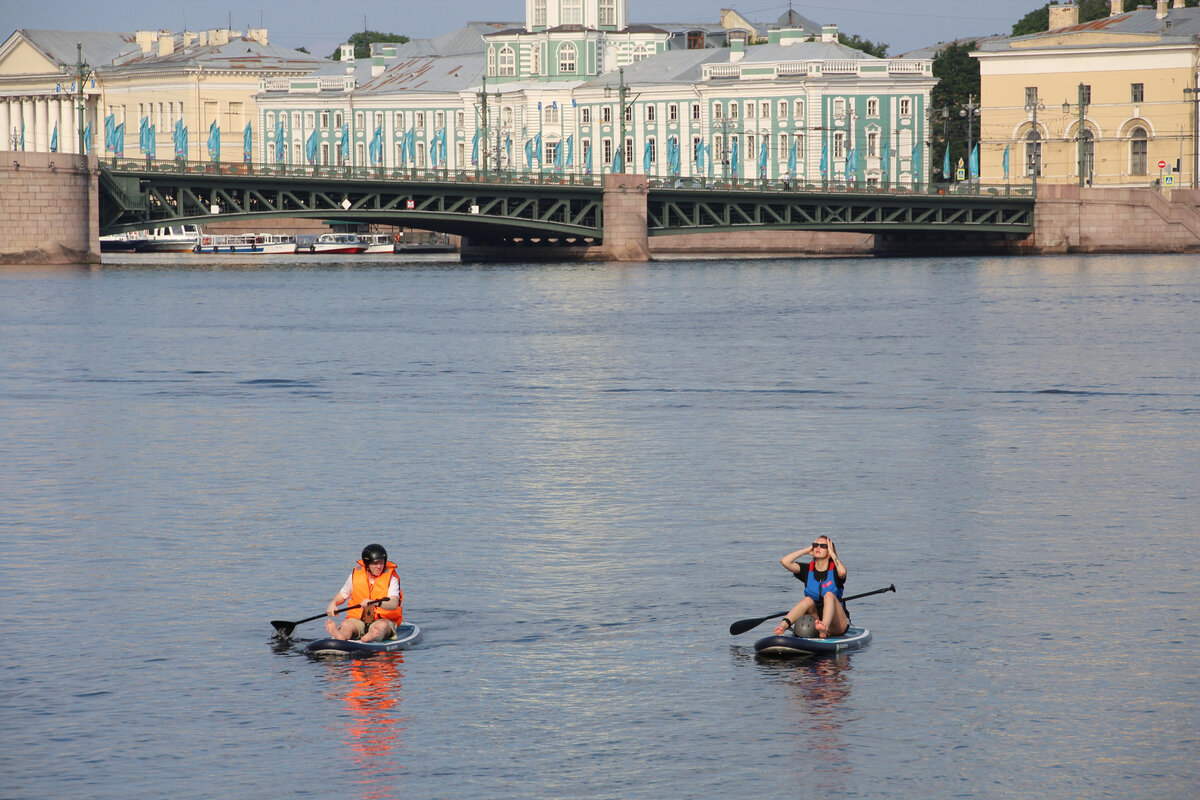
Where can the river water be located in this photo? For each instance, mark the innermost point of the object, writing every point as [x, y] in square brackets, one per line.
[585, 474]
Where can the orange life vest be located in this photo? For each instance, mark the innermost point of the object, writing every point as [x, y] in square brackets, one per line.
[364, 586]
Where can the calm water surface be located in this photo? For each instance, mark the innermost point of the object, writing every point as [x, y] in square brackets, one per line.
[586, 473]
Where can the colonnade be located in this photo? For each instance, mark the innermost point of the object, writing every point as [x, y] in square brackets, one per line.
[37, 116]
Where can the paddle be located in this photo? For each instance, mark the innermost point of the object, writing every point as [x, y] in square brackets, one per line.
[743, 625]
[283, 629]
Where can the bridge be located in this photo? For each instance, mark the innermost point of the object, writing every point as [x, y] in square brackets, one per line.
[523, 209]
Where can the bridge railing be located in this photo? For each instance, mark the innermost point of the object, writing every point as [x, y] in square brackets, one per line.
[554, 178]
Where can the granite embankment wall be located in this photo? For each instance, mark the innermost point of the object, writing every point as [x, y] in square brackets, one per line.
[48, 209]
[1070, 219]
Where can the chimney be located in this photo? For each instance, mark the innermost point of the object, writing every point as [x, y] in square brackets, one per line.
[145, 40]
[166, 44]
[188, 38]
[377, 66]
[347, 53]
[1160, 11]
[1115, 7]
[829, 33]
[1064, 15]
[1177, 4]
[737, 51]
[219, 37]
[257, 35]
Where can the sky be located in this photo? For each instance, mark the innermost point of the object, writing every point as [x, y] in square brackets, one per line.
[320, 25]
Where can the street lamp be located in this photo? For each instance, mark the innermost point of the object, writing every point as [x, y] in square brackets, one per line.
[971, 111]
[1195, 98]
[1033, 105]
[1084, 101]
[82, 73]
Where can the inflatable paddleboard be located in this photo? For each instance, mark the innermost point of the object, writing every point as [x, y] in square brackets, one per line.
[407, 634]
[852, 639]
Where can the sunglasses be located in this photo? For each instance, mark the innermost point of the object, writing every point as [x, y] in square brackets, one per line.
[820, 544]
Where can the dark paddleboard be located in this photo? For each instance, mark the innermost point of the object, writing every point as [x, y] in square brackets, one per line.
[407, 634]
[852, 639]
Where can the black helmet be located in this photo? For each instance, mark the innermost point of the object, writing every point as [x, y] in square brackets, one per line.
[374, 552]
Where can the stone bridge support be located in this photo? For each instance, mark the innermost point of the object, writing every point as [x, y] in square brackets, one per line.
[49, 209]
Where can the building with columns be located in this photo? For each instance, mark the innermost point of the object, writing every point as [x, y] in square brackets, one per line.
[1098, 103]
[194, 78]
[578, 90]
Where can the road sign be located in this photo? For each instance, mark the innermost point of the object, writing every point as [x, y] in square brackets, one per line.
[1168, 180]
[1162, 165]
[961, 174]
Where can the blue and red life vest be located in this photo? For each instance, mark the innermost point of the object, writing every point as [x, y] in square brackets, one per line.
[819, 583]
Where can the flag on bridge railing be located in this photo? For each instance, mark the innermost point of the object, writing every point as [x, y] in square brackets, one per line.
[824, 159]
[698, 154]
[310, 148]
[673, 157]
[345, 141]
[214, 141]
[558, 157]
[152, 141]
[119, 140]
[886, 158]
[735, 157]
[916, 162]
[247, 143]
[618, 162]
[792, 158]
[571, 151]
[110, 127]
[475, 150]
[1005, 162]
[375, 148]
[586, 160]
[508, 147]
[974, 164]
[647, 158]
[762, 159]
[87, 138]
[54, 139]
[946, 163]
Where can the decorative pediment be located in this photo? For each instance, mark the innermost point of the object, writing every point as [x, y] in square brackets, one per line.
[18, 57]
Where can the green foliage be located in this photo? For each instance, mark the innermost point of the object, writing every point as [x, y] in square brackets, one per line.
[362, 43]
[877, 49]
[302, 50]
[958, 84]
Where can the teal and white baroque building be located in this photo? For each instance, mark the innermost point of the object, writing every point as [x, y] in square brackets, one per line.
[579, 91]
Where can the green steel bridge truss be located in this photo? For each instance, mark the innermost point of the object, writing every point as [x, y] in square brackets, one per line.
[518, 207]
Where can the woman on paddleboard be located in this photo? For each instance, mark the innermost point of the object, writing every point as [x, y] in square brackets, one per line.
[824, 578]
[374, 588]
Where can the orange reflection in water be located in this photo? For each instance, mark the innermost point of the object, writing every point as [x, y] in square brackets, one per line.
[374, 727]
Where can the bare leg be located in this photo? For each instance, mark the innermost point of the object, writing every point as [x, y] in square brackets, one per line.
[833, 620]
[805, 606]
[331, 627]
[379, 628]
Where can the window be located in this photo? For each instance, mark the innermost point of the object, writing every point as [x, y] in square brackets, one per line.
[1137, 92]
[733, 110]
[764, 109]
[439, 119]
[378, 119]
[783, 108]
[673, 112]
[506, 116]
[585, 115]
[750, 109]
[535, 60]
[718, 111]
[751, 152]
[695, 111]
[608, 13]
[628, 159]
[1033, 154]
[798, 109]
[650, 112]
[491, 61]
[419, 119]
[460, 119]
[872, 144]
[309, 119]
[606, 114]
[1031, 97]
[337, 120]
[508, 61]
[550, 114]
[358, 120]
[606, 150]
[324, 119]
[1138, 162]
[420, 154]
[1086, 95]
[695, 40]
[652, 146]
[640, 53]
[629, 113]
[551, 152]
[539, 13]
[906, 106]
[872, 107]
[572, 12]
[839, 107]
[839, 145]
[566, 57]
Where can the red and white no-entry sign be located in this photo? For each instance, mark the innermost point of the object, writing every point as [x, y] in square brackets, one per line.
[1162, 165]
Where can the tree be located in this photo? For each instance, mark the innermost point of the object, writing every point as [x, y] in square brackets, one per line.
[362, 43]
[958, 84]
[877, 49]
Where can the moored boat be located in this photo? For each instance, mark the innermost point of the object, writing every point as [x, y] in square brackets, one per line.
[232, 243]
[379, 243]
[276, 243]
[854, 638]
[407, 634]
[171, 239]
[334, 243]
[122, 242]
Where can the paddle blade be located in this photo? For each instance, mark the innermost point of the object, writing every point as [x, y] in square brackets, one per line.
[283, 629]
[743, 625]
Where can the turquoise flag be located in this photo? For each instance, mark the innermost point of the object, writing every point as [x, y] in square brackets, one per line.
[529, 153]
[1005, 162]
[974, 164]
[946, 163]
[152, 139]
[735, 157]
[404, 149]
[792, 159]
[618, 163]
[119, 140]
[280, 146]
[475, 150]
[214, 141]
[54, 139]
[824, 159]
[851, 166]
[647, 158]
[587, 157]
[673, 156]
[310, 148]
[916, 162]
[762, 159]
[558, 157]
[87, 139]
[110, 125]
[247, 143]
[508, 147]
[698, 154]
[571, 151]
[886, 157]
[345, 141]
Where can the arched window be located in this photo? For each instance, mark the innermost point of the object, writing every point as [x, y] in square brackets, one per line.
[640, 53]
[1033, 154]
[508, 61]
[1138, 141]
[566, 58]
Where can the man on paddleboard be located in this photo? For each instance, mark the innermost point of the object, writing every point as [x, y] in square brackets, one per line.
[824, 578]
[375, 590]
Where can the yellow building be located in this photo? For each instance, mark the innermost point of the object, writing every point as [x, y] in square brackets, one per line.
[1098, 103]
[155, 78]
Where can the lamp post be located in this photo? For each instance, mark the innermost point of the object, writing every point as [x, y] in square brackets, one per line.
[82, 72]
[945, 137]
[1033, 105]
[1194, 93]
[970, 110]
[1083, 103]
[723, 151]
[483, 111]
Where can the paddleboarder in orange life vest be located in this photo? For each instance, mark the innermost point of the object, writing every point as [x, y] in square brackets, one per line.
[824, 577]
[375, 590]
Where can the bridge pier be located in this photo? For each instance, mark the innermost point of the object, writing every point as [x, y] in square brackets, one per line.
[49, 203]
